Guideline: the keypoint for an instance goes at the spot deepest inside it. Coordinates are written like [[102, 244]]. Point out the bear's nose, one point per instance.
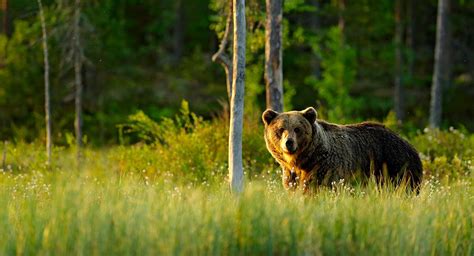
[[290, 145]]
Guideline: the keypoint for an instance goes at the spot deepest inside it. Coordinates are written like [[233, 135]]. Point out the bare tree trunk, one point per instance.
[[78, 78], [178, 31], [5, 18], [398, 93], [46, 84], [273, 55], [440, 65], [236, 173], [341, 22], [410, 30], [221, 55]]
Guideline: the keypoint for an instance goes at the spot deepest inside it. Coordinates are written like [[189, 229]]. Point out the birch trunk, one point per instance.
[[440, 77], [47, 106], [78, 78], [236, 173], [273, 55]]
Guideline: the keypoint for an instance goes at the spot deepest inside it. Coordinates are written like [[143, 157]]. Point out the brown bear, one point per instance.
[[313, 152]]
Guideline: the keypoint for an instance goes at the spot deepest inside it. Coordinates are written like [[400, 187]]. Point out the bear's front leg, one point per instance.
[[306, 181], [289, 178]]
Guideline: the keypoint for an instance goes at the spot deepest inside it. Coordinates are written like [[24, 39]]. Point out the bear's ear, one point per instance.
[[268, 116], [310, 114]]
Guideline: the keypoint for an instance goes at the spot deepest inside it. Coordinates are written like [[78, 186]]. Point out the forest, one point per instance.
[[123, 123]]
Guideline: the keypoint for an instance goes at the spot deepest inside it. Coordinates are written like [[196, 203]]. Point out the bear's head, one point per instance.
[[288, 133]]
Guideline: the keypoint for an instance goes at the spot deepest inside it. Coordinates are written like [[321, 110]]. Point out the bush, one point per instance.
[[197, 149], [445, 154]]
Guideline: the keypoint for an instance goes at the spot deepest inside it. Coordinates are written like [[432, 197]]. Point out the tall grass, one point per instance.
[[65, 213]]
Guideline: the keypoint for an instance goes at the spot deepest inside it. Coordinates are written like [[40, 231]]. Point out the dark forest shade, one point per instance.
[[440, 72], [152, 55]]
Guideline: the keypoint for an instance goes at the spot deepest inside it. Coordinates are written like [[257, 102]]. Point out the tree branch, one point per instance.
[[221, 56]]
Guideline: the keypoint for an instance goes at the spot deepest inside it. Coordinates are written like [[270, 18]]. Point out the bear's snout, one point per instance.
[[290, 146]]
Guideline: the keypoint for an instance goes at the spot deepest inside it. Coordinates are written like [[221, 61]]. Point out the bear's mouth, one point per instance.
[[290, 150]]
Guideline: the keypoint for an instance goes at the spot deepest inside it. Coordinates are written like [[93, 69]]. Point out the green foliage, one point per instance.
[[446, 154], [137, 60], [297, 6], [21, 93], [289, 92], [433, 142], [338, 62], [189, 146], [150, 131], [145, 128]]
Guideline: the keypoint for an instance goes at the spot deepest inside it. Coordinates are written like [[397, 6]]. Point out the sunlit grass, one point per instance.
[[67, 213]]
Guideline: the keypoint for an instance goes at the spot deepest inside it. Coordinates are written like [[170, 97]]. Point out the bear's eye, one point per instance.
[[280, 131], [297, 130]]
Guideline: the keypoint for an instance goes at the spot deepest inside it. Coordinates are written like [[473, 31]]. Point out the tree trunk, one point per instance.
[[410, 44], [221, 55], [47, 107], [237, 102], [273, 55], [178, 31], [341, 22], [5, 18], [440, 77], [398, 99], [78, 78]]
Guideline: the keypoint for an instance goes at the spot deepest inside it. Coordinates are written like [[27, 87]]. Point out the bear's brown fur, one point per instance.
[[313, 152]]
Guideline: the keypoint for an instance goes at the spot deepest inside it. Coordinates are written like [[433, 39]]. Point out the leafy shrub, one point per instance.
[[434, 142], [445, 154], [189, 146]]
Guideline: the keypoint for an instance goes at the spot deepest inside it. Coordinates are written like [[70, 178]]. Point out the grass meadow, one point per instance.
[[169, 196]]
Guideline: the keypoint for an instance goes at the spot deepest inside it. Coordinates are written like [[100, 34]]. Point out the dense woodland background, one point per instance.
[[339, 56], [153, 178]]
